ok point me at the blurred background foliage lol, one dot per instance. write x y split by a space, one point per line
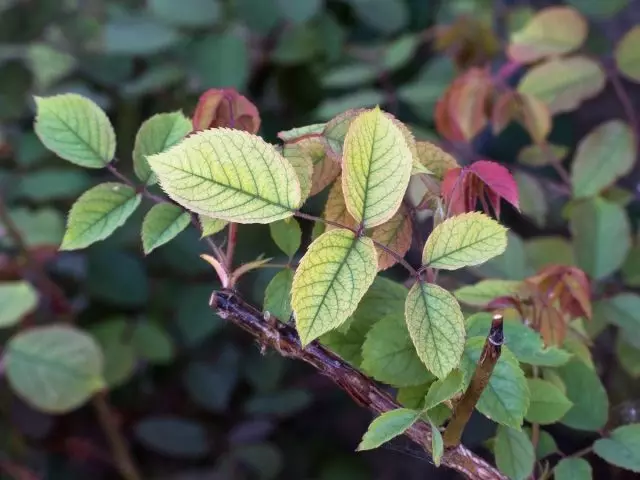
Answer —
196 397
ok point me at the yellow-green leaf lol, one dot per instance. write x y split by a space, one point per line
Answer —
161 224
229 174
552 31
330 281
211 226
301 163
564 83
484 291
396 234
17 299
76 129
376 168
607 153
387 426
97 213
464 240
627 54
435 159
436 326
444 389
156 135
534 156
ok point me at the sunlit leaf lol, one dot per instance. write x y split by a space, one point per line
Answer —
548 403
335 210
572 469
396 234
211 226
387 426
300 159
55 368
589 412
17 299
627 56
606 154
436 326
76 129
376 168
161 224
97 213
621 447
330 281
156 135
435 159
464 240
515 455
277 295
229 174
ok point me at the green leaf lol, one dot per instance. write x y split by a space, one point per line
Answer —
231 68
157 134
436 326
631 267
444 389
299 12
330 281
211 226
387 16
114 337
54 368
546 444
287 235
376 168
525 343
623 310
388 355
76 129
163 222
485 291
49 184
515 456
44 226
589 412
626 54
606 154
350 75
117 277
548 403
387 426
137 35
294 133
549 250
48 65
628 356
211 385
277 295
511 265
598 9
17 300
173 436
153 343
400 51
621 448
301 156
572 469
98 213
464 240
532 196
596 225
505 399
229 174
437 444
190 13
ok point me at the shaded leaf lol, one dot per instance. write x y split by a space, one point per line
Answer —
572 469
129 35
211 226
621 448
511 265
437 444
191 13
163 222
533 198
152 343
444 389
548 404
287 235
485 291
514 453
387 426
628 356
173 436
627 56
277 295
549 250
17 299
300 159
434 158
115 339
589 412
535 156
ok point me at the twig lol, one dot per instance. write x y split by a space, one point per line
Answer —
231 244
119 449
464 408
364 391
582 453
625 101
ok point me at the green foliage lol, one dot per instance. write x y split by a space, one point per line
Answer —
443 389
388 426
17 299
621 448
277 295
287 235
514 453
548 404
161 224
573 468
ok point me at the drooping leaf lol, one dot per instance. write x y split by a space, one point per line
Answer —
444 389
330 281
50 184
76 129
626 54
607 153
515 455
229 174
589 412
572 469
505 399
548 403
436 326
97 214
287 235
596 225
376 168
173 436
464 240
388 355
396 234
553 31
211 226
437 444
621 447
157 134
484 291
387 426
54 368
17 298
163 222
277 295
564 83
114 337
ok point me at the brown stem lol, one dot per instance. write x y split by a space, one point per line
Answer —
231 244
116 440
464 408
364 391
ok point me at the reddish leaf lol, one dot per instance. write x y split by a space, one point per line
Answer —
225 108
569 285
527 110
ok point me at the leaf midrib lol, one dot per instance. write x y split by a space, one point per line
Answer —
468 245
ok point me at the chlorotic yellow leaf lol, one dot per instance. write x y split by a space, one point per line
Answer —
552 31
76 129
607 153
435 159
396 234
627 54
163 222
436 325
301 163
229 174
97 213
335 210
464 240
211 226
376 168
330 281
564 83
325 168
